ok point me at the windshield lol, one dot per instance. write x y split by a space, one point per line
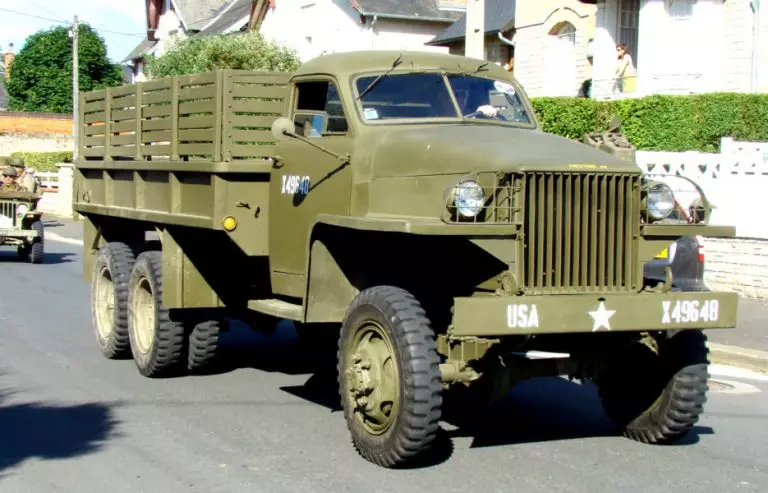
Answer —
426 95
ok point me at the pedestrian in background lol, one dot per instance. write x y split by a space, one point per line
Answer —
626 75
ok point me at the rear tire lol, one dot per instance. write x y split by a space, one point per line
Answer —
203 345
109 299
389 377
657 398
157 340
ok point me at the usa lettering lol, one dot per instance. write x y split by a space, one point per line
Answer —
522 316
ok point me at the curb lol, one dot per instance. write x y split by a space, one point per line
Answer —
748 359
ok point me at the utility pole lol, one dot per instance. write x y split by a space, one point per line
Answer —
75 88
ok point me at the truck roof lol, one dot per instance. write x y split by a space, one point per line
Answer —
346 64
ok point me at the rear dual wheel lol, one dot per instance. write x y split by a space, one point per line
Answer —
129 318
159 340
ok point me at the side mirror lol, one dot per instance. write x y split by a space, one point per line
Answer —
283 128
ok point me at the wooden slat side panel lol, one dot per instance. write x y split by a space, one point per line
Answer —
255 100
124 126
156 124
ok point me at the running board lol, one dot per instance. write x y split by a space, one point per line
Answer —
278 308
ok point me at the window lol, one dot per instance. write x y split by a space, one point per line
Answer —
426 95
681 10
319 110
418 95
629 18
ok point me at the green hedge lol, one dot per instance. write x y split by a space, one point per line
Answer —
44 161
662 123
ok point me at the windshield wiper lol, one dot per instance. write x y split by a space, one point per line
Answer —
483 67
377 79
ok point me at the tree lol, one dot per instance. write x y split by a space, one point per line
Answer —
41 73
247 51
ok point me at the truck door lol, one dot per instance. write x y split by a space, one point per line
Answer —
307 181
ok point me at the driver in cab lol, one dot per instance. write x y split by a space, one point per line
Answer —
475 100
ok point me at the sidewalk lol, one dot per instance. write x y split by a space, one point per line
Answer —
751 332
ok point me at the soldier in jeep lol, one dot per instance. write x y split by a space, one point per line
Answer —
26 179
9 181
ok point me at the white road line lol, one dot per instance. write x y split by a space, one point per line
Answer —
62 239
734 372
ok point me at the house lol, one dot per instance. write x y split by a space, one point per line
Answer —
314 27
170 19
682 46
544 42
498 28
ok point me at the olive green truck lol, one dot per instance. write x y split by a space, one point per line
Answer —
408 208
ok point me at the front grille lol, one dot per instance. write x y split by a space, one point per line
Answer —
8 209
580 232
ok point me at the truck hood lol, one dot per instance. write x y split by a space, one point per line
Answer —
463 148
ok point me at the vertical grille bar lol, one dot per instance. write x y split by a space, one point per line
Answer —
579 232
8 209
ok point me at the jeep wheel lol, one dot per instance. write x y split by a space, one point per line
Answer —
203 345
157 341
389 376
657 396
109 299
37 247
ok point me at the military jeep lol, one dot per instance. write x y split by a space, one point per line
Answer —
408 207
21 225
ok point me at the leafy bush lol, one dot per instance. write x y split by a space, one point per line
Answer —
44 161
247 51
662 123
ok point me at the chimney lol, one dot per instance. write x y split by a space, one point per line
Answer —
8 59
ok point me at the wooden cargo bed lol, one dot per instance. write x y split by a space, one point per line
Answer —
175 150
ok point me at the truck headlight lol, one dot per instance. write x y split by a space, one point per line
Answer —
22 209
468 197
660 200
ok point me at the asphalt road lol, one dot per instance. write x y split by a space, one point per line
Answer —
73 421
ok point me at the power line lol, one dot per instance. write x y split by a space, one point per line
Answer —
58 21
43 8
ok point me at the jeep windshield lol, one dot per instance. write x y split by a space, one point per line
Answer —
428 96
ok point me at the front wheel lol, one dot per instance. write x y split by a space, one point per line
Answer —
389 376
654 393
37 247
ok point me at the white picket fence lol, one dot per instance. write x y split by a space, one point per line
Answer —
734 180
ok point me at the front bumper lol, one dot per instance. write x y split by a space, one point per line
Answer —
19 234
590 313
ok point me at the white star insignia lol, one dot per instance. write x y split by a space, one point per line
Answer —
601 317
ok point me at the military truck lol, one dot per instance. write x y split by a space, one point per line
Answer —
21 225
406 205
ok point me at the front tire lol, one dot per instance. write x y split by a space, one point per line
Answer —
157 340
37 247
389 376
657 397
